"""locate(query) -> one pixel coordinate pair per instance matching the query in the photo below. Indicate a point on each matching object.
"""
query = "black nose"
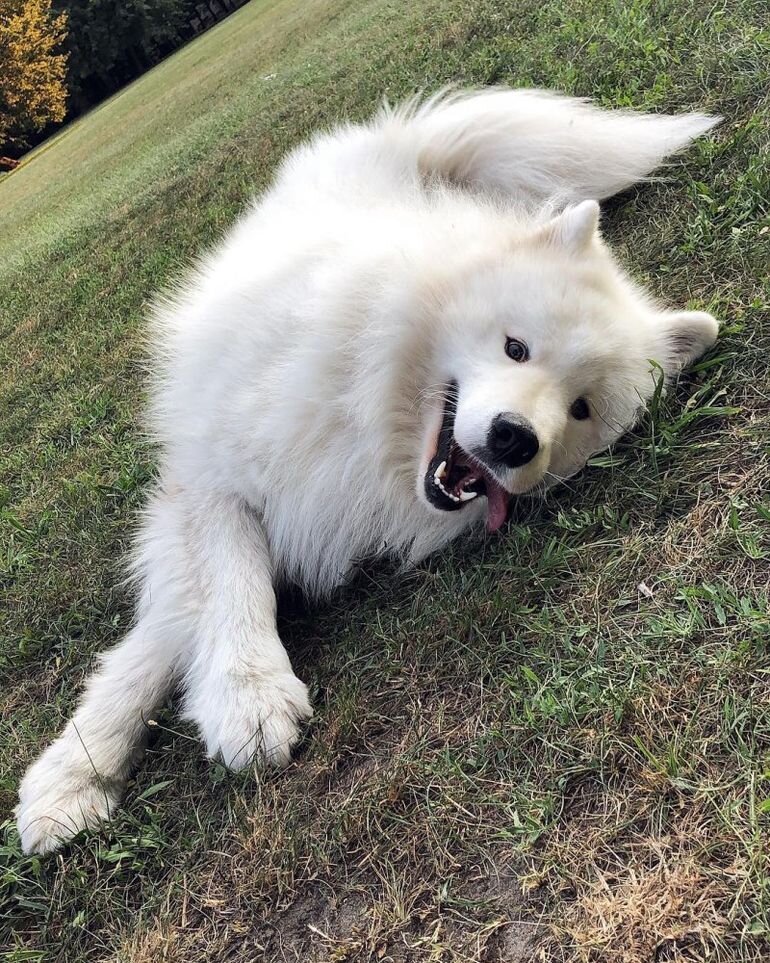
(512, 442)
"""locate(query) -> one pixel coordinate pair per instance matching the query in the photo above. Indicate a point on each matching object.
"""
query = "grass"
(549, 745)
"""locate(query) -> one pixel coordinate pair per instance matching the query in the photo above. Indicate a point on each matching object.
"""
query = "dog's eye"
(516, 350)
(579, 410)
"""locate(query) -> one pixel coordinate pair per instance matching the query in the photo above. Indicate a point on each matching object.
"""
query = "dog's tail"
(539, 145)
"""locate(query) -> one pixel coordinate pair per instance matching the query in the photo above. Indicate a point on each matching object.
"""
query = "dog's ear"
(573, 229)
(686, 335)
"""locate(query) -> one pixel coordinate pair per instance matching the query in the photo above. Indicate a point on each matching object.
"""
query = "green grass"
(559, 735)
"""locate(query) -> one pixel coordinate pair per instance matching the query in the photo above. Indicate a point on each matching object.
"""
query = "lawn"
(552, 744)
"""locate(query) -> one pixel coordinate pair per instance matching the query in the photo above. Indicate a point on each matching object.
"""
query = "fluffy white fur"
(301, 378)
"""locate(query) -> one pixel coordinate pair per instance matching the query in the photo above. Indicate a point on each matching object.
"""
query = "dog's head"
(547, 353)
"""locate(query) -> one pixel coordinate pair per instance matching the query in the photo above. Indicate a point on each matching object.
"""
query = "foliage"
(32, 91)
(112, 41)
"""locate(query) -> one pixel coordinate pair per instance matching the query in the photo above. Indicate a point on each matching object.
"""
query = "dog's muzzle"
(455, 477)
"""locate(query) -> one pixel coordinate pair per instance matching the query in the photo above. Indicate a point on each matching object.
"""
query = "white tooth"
(439, 472)
(448, 494)
(467, 496)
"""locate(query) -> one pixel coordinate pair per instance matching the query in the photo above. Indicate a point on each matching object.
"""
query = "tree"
(112, 41)
(32, 71)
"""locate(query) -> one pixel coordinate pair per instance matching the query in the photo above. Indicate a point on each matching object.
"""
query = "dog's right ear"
(685, 336)
(574, 229)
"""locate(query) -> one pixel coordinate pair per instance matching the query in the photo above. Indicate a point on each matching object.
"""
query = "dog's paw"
(55, 804)
(255, 720)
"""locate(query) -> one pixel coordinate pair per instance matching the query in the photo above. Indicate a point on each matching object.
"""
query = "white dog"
(416, 322)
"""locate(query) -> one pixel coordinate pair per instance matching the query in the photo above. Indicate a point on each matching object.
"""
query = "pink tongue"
(497, 498)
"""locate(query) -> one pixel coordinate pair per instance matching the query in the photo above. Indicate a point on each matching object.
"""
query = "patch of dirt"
(484, 922)
(514, 942)
(318, 927)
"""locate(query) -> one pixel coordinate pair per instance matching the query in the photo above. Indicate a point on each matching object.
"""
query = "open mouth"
(455, 478)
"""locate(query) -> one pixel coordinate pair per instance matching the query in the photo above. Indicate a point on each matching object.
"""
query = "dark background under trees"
(112, 42)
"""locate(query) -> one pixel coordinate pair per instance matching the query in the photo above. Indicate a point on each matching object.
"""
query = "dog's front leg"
(79, 779)
(241, 690)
